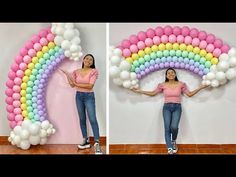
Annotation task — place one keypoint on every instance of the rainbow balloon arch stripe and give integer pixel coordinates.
(28, 78)
(178, 47)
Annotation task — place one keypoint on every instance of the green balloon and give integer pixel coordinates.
(132, 68)
(159, 54)
(32, 78)
(191, 55)
(184, 54)
(178, 53)
(29, 90)
(153, 55)
(29, 102)
(46, 56)
(29, 108)
(42, 61)
(51, 52)
(28, 96)
(31, 115)
(30, 84)
(197, 57)
(44, 66)
(147, 58)
(202, 60)
(56, 48)
(141, 60)
(166, 53)
(40, 71)
(208, 64)
(136, 63)
(172, 53)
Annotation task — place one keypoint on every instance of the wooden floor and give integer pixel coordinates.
(183, 149)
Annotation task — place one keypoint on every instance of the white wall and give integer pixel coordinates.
(93, 40)
(208, 118)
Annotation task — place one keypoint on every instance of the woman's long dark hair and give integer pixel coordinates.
(167, 80)
(93, 65)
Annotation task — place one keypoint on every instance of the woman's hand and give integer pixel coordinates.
(70, 80)
(203, 86)
(135, 90)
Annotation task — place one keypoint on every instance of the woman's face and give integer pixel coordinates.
(88, 61)
(170, 75)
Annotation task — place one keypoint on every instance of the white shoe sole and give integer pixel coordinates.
(84, 147)
(98, 153)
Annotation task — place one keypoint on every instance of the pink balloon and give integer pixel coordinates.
(210, 48)
(225, 48)
(9, 100)
(9, 92)
(133, 39)
(16, 96)
(19, 122)
(194, 33)
(150, 33)
(27, 59)
(202, 35)
(19, 73)
(185, 31)
(16, 88)
(29, 45)
(120, 47)
(19, 59)
(218, 43)
(126, 53)
(10, 116)
(141, 45)
(43, 33)
(23, 51)
(159, 31)
(16, 103)
(125, 43)
(23, 66)
(35, 38)
(203, 44)
(37, 46)
(11, 75)
(176, 30)
(142, 36)
(19, 118)
(133, 48)
(10, 83)
(12, 124)
(216, 52)
(14, 67)
(50, 37)
(43, 41)
(164, 38)
(187, 40)
(156, 40)
(148, 42)
(17, 111)
(10, 108)
(172, 38)
(180, 39)
(210, 38)
(195, 42)
(168, 30)
(31, 52)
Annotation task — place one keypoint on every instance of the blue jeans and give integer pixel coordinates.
(86, 101)
(171, 114)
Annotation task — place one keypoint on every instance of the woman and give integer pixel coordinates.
(83, 80)
(172, 89)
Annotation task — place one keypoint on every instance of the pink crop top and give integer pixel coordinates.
(172, 95)
(89, 78)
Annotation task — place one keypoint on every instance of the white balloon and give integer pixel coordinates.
(76, 40)
(59, 30)
(124, 75)
(34, 129)
(25, 144)
(24, 134)
(223, 66)
(210, 76)
(80, 54)
(133, 75)
(67, 53)
(17, 130)
(43, 133)
(114, 71)
(208, 82)
(224, 57)
(16, 139)
(69, 25)
(69, 34)
(74, 48)
(232, 52)
(111, 47)
(232, 61)
(53, 29)
(45, 124)
(65, 44)
(12, 134)
(43, 141)
(117, 81)
(125, 65)
(76, 32)
(58, 40)
(117, 52)
(115, 60)
(204, 77)
(231, 74)
(215, 83)
(213, 68)
(26, 124)
(220, 76)
(222, 82)
(34, 140)
(53, 130)
(133, 82)
(127, 84)
(49, 131)
(9, 139)
(61, 24)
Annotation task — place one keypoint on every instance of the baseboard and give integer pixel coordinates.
(102, 140)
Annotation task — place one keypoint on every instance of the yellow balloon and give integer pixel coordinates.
(24, 113)
(23, 107)
(176, 46)
(209, 56)
(141, 53)
(31, 66)
(168, 46)
(154, 48)
(147, 50)
(23, 86)
(23, 100)
(182, 47)
(35, 60)
(189, 48)
(135, 56)
(27, 72)
(45, 49)
(39, 54)
(23, 93)
(203, 53)
(162, 47)
(196, 50)
(51, 45)
(25, 79)
(130, 60)
(214, 61)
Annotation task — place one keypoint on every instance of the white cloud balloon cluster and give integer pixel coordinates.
(222, 72)
(120, 70)
(31, 133)
(68, 38)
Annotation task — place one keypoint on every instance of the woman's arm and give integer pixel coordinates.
(71, 82)
(87, 86)
(149, 93)
(190, 94)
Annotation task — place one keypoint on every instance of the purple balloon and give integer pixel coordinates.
(172, 64)
(151, 68)
(40, 112)
(147, 71)
(39, 102)
(62, 57)
(177, 65)
(40, 86)
(40, 90)
(167, 64)
(200, 73)
(142, 73)
(39, 96)
(182, 65)
(42, 81)
(191, 68)
(156, 66)
(50, 67)
(58, 60)
(42, 118)
(196, 70)
(139, 76)
(162, 65)
(187, 66)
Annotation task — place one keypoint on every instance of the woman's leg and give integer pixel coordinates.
(167, 122)
(176, 115)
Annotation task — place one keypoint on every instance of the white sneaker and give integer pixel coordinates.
(84, 145)
(98, 149)
(175, 148)
(170, 151)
